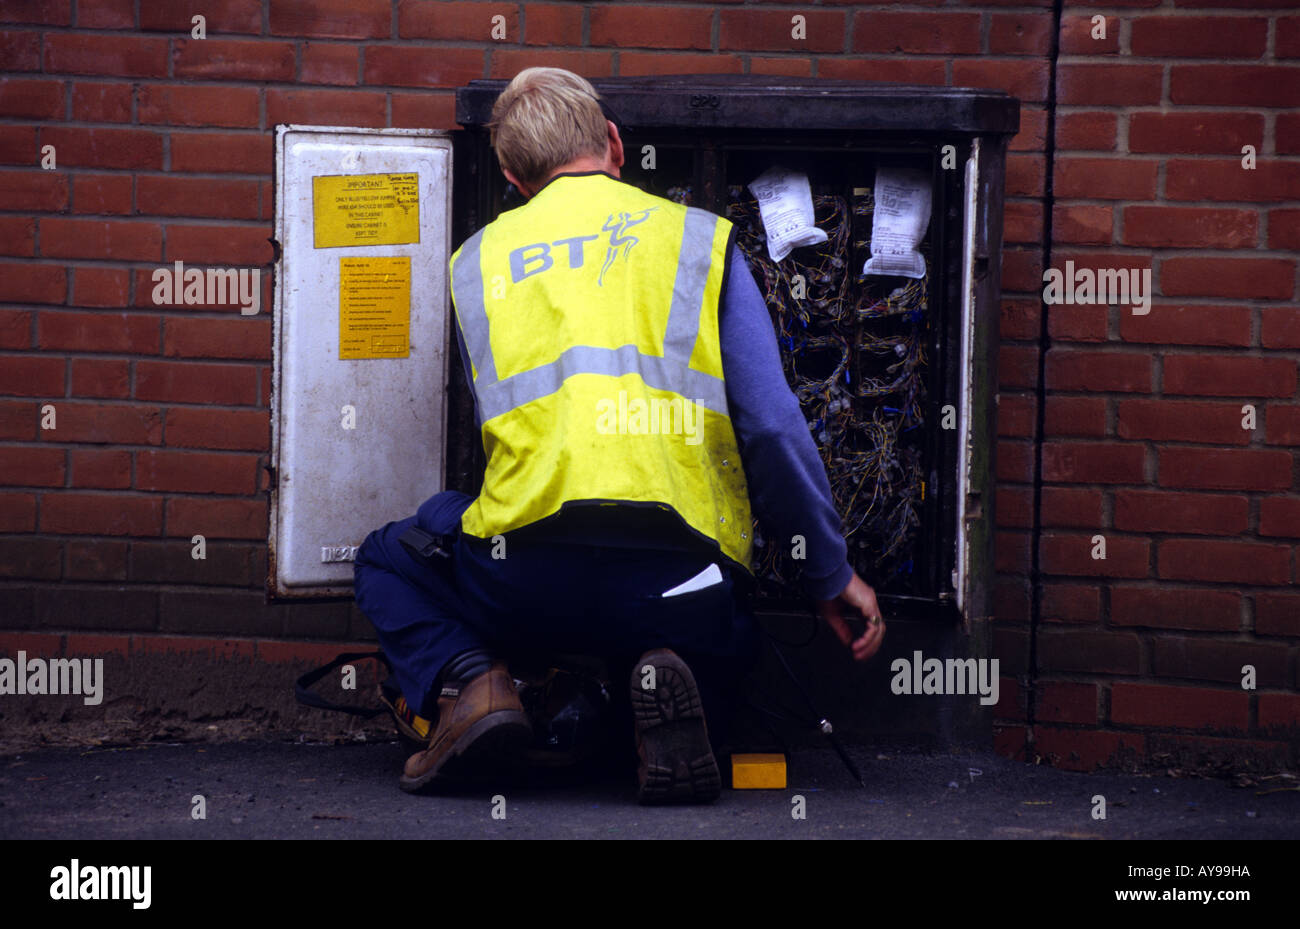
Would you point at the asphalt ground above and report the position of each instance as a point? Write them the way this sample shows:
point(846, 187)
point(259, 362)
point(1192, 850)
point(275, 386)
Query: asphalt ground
point(288, 790)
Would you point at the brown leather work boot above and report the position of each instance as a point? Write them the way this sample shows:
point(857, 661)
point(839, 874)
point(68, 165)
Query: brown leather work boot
point(672, 740)
point(482, 727)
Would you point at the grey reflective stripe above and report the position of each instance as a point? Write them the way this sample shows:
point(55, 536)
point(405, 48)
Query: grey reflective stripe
point(693, 263)
point(661, 373)
point(467, 288)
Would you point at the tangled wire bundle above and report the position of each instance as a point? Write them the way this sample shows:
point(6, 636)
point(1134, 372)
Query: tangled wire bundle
point(853, 351)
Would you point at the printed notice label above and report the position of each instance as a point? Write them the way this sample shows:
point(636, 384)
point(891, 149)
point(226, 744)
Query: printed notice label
point(899, 221)
point(365, 209)
point(375, 307)
point(785, 205)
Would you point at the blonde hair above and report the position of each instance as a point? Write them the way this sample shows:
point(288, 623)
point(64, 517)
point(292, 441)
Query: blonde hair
point(545, 118)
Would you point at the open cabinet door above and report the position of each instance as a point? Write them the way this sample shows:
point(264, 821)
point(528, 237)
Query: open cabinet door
point(362, 315)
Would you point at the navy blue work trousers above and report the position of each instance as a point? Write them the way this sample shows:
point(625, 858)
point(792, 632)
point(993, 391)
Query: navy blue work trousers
point(547, 597)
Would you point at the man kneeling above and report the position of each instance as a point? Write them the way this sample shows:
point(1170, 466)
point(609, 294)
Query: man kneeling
point(632, 409)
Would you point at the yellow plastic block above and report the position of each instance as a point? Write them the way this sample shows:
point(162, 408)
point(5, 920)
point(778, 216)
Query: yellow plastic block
point(758, 772)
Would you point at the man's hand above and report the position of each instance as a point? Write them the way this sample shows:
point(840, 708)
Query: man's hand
point(857, 597)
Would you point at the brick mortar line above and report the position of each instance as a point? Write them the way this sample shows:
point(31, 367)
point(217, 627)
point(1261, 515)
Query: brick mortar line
point(1073, 58)
point(1163, 584)
point(120, 400)
point(133, 404)
point(238, 546)
point(1120, 206)
point(206, 222)
point(255, 496)
point(1068, 677)
point(174, 220)
point(1177, 348)
point(211, 638)
point(1064, 439)
point(176, 541)
point(91, 171)
point(1171, 585)
point(1082, 531)
point(1163, 158)
point(130, 356)
point(82, 445)
point(1081, 677)
point(156, 587)
point(1123, 13)
point(1264, 110)
point(1154, 108)
point(1166, 252)
point(196, 637)
point(1173, 59)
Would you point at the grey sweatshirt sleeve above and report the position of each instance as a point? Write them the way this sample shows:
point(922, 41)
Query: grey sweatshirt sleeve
point(788, 488)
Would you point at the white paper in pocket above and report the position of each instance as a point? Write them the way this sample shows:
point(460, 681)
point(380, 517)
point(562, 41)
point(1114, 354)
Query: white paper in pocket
point(707, 578)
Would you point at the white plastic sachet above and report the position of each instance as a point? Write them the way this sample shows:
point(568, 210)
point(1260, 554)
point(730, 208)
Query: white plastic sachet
point(899, 221)
point(786, 207)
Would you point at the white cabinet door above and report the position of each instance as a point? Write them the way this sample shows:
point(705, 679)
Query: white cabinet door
point(362, 313)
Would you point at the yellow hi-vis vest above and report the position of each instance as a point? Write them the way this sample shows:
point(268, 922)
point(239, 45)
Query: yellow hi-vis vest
point(590, 317)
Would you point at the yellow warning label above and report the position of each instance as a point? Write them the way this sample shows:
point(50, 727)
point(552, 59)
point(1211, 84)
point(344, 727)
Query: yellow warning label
point(375, 307)
point(365, 209)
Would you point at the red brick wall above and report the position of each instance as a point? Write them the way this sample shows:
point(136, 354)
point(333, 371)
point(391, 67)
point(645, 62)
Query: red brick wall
point(1142, 428)
point(164, 153)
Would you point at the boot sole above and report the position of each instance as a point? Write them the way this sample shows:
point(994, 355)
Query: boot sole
point(676, 759)
point(490, 746)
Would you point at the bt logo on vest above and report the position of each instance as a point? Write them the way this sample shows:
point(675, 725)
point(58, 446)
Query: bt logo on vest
point(540, 254)
point(536, 258)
